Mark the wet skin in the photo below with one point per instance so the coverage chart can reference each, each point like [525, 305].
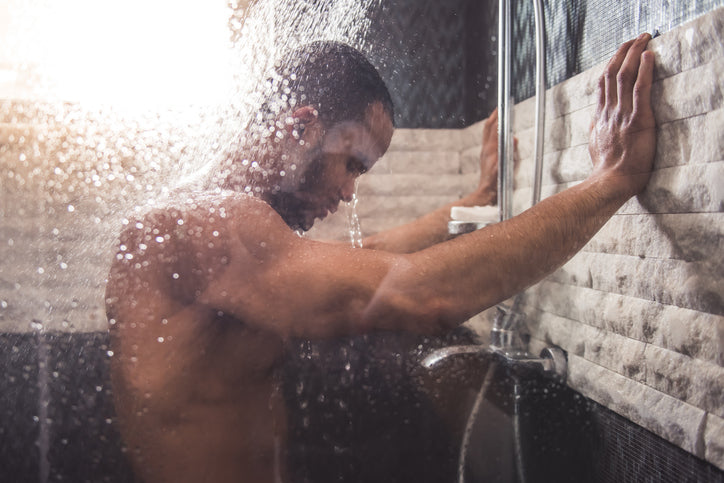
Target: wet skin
[205, 291]
[196, 387]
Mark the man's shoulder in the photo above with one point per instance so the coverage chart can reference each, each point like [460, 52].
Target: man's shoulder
[206, 217]
[199, 207]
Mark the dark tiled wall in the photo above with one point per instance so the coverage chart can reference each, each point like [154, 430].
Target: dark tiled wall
[57, 410]
[19, 456]
[438, 59]
[357, 414]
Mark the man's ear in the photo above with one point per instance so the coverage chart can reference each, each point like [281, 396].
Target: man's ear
[303, 117]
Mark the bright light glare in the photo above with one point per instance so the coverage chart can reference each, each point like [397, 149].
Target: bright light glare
[134, 53]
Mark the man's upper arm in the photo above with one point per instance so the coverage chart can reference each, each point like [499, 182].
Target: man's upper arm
[276, 280]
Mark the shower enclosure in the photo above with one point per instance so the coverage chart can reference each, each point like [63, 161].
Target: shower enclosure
[84, 137]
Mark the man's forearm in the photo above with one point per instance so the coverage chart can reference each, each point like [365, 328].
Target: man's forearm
[503, 259]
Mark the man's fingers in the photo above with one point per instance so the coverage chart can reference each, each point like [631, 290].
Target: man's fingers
[628, 73]
[642, 88]
[609, 76]
[490, 127]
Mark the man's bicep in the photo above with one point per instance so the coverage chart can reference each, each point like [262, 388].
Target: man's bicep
[299, 287]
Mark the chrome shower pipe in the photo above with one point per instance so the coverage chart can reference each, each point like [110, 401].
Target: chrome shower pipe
[505, 131]
[503, 331]
[540, 96]
[505, 111]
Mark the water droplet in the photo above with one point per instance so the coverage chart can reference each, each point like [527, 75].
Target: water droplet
[160, 339]
[175, 276]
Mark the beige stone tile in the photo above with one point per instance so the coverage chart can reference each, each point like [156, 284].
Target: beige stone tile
[557, 134]
[682, 236]
[526, 143]
[692, 285]
[666, 416]
[694, 140]
[471, 135]
[685, 331]
[674, 98]
[667, 54]
[580, 124]
[377, 224]
[696, 382]
[681, 189]
[577, 93]
[470, 160]
[31, 307]
[524, 115]
[564, 166]
[695, 188]
[620, 354]
[714, 441]
[427, 140]
[402, 206]
[420, 162]
[701, 40]
[414, 185]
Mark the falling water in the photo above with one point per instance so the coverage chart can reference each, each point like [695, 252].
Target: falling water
[81, 150]
[353, 224]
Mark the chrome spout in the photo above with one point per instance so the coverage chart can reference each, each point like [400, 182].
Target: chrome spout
[436, 356]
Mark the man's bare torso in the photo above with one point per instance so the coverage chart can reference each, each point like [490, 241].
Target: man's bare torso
[196, 390]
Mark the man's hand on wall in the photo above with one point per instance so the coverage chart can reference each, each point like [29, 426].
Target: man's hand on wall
[489, 158]
[623, 135]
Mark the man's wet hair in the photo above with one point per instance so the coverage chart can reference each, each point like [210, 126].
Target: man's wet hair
[335, 78]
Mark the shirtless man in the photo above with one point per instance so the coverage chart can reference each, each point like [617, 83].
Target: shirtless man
[205, 291]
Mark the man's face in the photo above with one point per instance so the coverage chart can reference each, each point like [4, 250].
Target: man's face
[334, 160]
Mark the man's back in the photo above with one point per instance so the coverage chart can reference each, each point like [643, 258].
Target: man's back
[196, 389]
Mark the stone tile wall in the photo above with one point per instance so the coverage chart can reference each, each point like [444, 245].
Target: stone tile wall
[640, 309]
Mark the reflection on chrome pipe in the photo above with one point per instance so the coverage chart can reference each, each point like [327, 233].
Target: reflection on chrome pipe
[505, 136]
[540, 96]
